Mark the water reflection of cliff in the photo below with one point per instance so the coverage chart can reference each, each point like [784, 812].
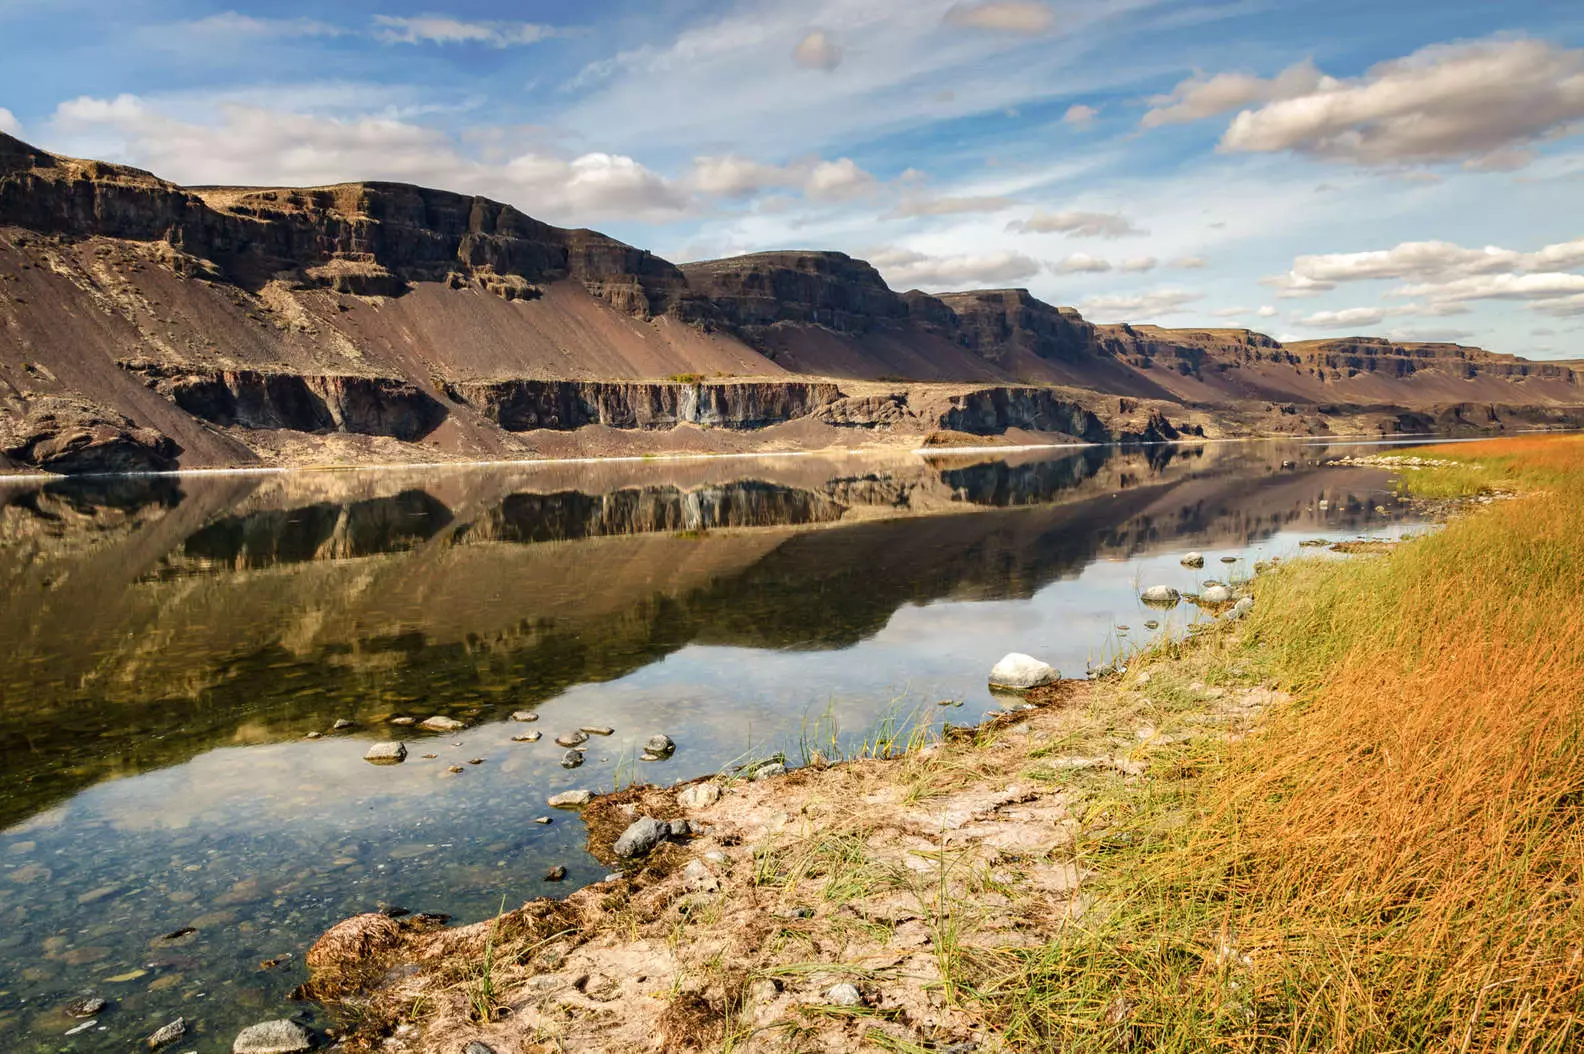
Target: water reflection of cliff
[148, 620]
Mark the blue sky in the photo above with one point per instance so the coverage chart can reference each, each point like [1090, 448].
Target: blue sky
[1307, 169]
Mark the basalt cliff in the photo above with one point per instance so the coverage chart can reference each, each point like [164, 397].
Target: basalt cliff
[147, 326]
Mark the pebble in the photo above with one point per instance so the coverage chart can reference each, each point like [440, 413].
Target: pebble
[1152, 624]
[1229, 559]
[524, 715]
[389, 753]
[527, 737]
[598, 730]
[168, 1033]
[659, 743]
[571, 759]
[572, 739]
[543, 819]
[698, 878]
[476, 761]
[555, 874]
[699, 795]
[342, 724]
[404, 720]
[314, 735]
[272, 1037]
[455, 770]
[440, 723]
[84, 1027]
[844, 994]
[769, 771]
[570, 799]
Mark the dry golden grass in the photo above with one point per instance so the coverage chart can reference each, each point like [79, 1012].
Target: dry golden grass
[1394, 861]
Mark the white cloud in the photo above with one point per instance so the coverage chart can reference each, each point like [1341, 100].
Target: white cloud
[1266, 311]
[1435, 260]
[438, 29]
[1352, 316]
[950, 206]
[735, 177]
[906, 268]
[234, 24]
[1080, 116]
[1434, 336]
[1189, 263]
[1139, 264]
[837, 180]
[1137, 307]
[1292, 286]
[249, 145]
[1199, 96]
[1498, 287]
[1082, 263]
[9, 123]
[818, 51]
[1075, 223]
[1005, 16]
[1561, 307]
[1484, 103]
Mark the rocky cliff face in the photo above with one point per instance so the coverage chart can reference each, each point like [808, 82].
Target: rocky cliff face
[521, 406]
[820, 288]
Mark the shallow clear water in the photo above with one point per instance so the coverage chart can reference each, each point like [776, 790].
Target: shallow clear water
[169, 644]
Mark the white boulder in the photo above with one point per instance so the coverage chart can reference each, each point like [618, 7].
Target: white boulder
[1021, 672]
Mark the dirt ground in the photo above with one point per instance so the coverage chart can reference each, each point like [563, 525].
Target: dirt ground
[895, 876]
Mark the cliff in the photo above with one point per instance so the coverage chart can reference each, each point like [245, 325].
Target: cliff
[145, 325]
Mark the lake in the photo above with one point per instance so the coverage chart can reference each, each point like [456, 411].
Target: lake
[172, 839]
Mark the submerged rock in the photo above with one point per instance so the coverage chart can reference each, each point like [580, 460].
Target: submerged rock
[555, 874]
[87, 1006]
[1161, 595]
[1193, 560]
[570, 799]
[659, 743]
[168, 1033]
[572, 739]
[272, 1037]
[1021, 672]
[699, 795]
[640, 837]
[571, 759]
[386, 753]
[440, 723]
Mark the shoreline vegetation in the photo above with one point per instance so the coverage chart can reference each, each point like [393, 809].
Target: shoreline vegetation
[1349, 820]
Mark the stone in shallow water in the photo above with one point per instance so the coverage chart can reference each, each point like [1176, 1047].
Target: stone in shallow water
[1193, 560]
[598, 730]
[386, 753]
[570, 799]
[527, 737]
[342, 724]
[524, 715]
[168, 1033]
[272, 1037]
[440, 723]
[1021, 671]
[555, 874]
[1164, 595]
[571, 759]
[572, 739]
[87, 1006]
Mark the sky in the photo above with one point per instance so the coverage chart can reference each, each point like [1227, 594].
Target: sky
[1405, 169]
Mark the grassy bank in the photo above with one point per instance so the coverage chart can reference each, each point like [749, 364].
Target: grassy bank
[1391, 862]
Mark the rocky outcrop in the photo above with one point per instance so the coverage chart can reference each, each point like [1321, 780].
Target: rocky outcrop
[69, 436]
[820, 288]
[991, 411]
[993, 323]
[521, 406]
[379, 406]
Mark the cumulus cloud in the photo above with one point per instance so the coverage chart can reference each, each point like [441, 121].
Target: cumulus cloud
[1561, 307]
[1004, 16]
[818, 51]
[1076, 224]
[1082, 263]
[1139, 264]
[1266, 311]
[906, 268]
[1484, 103]
[1437, 336]
[1352, 316]
[1189, 263]
[251, 145]
[949, 206]
[1133, 307]
[1435, 260]
[1498, 287]
[438, 29]
[1199, 96]
[837, 180]
[9, 123]
[1080, 116]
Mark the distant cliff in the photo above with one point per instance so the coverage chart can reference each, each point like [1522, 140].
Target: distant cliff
[147, 325]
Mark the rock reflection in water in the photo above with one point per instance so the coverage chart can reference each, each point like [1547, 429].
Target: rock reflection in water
[178, 638]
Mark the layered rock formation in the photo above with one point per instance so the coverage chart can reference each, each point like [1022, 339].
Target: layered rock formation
[145, 326]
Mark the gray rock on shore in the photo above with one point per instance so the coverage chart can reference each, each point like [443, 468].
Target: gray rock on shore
[1216, 595]
[1021, 672]
[770, 771]
[272, 1037]
[640, 838]
[390, 753]
[699, 795]
[572, 799]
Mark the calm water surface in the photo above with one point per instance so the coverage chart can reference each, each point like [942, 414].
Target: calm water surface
[169, 644]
